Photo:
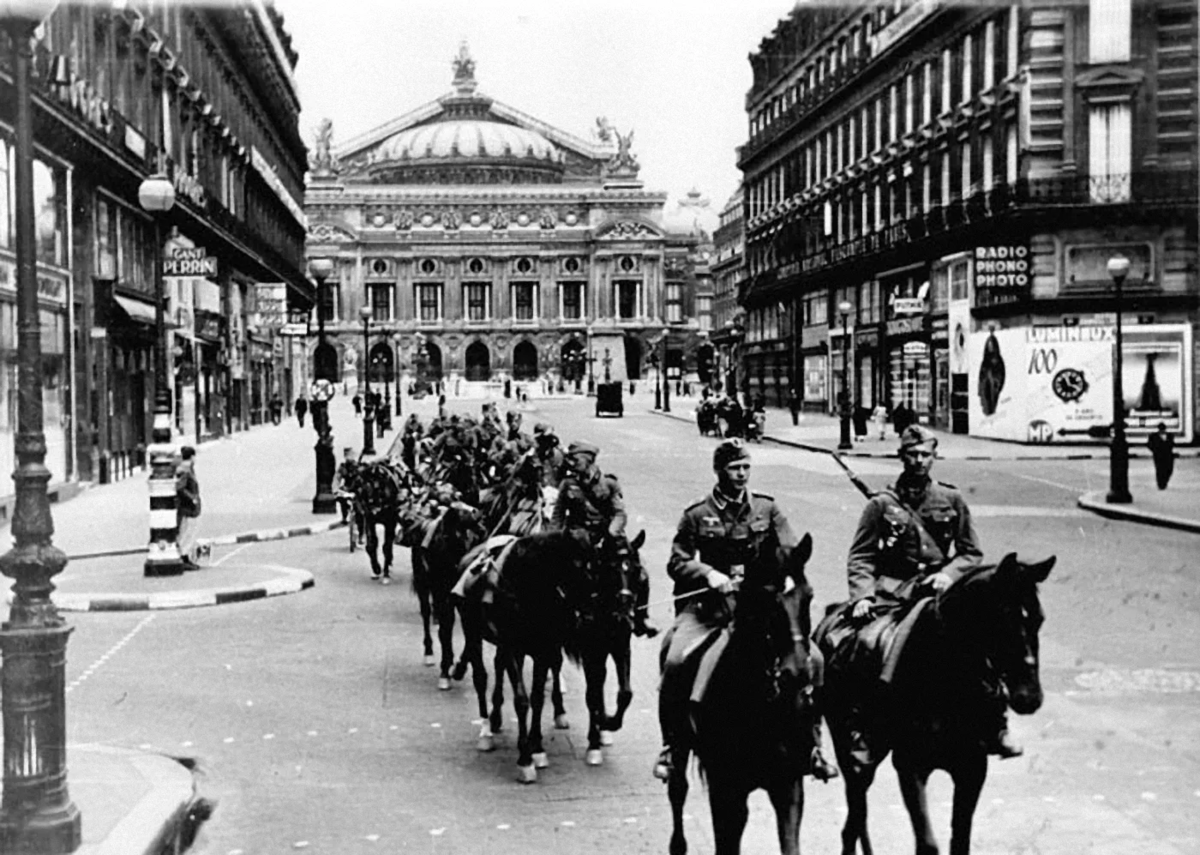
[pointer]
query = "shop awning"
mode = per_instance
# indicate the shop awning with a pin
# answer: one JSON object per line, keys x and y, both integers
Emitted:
{"x": 139, "y": 312}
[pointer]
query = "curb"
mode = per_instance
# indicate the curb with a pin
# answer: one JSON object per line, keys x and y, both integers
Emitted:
{"x": 289, "y": 581}
{"x": 1095, "y": 502}
{"x": 227, "y": 539}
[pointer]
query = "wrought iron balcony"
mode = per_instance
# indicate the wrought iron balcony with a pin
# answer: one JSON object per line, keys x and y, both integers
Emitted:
{"x": 1158, "y": 186}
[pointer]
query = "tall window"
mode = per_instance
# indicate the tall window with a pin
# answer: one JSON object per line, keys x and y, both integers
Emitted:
{"x": 476, "y": 300}
{"x": 6, "y": 181}
{"x": 381, "y": 301}
{"x": 49, "y": 205}
{"x": 967, "y": 68}
{"x": 947, "y": 78}
{"x": 628, "y": 299}
{"x": 524, "y": 299}
{"x": 674, "y": 302}
{"x": 429, "y": 303}
{"x": 989, "y": 55}
{"x": 909, "y": 97}
{"x": 1108, "y": 30}
{"x": 966, "y": 170}
{"x": 704, "y": 311}
{"x": 106, "y": 238}
{"x": 927, "y": 95}
{"x": 571, "y": 303}
{"x": 1110, "y": 138}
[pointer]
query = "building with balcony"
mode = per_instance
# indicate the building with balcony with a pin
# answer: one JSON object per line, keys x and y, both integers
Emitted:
{"x": 205, "y": 95}
{"x": 487, "y": 245}
{"x": 728, "y": 272}
{"x": 959, "y": 175}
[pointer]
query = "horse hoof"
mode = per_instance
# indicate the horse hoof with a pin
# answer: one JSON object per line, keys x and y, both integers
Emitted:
{"x": 527, "y": 774}
{"x": 486, "y": 742}
{"x": 595, "y": 757}
{"x": 606, "y": 737}
{"x": 561, "y": 723}
{"x": 430, "y": 660}
{"x": 443, "y": 684}
{"x": 386, "y": 580}
{"x": 540, "y": 760}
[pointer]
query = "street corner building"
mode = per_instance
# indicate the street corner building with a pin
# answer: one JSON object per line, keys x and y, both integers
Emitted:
{"x": 479, "y": 246}
{"x": 203, "y": 95}
{"x": 933, "y": 192}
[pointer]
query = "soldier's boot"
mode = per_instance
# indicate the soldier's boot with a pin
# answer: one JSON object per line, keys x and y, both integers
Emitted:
{"x": 641, "y": 624}
{"x": 820, "y": 768}
{"x": 994, "y": 716}
{"x": 999, "y": 740}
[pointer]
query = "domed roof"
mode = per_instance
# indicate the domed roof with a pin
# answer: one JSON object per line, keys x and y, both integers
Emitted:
{"x": 467, "y": 138}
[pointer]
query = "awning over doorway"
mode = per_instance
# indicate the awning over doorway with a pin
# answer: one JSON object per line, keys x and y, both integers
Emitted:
{"x": 136, "y": 310}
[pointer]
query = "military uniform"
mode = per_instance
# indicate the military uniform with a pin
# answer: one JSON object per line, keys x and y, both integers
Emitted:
{"x": 890, "y": 549}
{"x": 593, "y": 502}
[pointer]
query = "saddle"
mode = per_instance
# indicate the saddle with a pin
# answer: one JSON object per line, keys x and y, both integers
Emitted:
{"x": 869, "y": 653}
{"x": 483, "y": 562}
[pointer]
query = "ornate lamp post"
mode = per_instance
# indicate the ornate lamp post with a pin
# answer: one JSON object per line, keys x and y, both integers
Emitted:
{"x": 666, "y": 386}
{"x": 321, "y": 390}
{"x": 399, "y": 376}
{"x": 844, "y": 442}
{"x": 657, "y": 380}
{"x": 1118, "y": 461}
{"x": 157, "y": 196}
{"x": 36, "y": 814}
{"x": 368, "y": 421}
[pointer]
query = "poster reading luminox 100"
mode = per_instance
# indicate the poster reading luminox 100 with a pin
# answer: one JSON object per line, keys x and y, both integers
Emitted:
{"x": 1051, "y": 384}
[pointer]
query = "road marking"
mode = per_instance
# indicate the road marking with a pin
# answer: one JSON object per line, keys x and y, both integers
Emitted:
{"x": 1140, "y": 680}
{"x": 91, "y": 669}
{"x": 227, "y": 556}
{"x": 1047, "y": 481}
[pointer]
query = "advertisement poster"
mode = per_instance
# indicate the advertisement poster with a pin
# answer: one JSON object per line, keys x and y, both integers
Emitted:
{"x": 814, "y": 378}
{"x": 1053, "y": 384}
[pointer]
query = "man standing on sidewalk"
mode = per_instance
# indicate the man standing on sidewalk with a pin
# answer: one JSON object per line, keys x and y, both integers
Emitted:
{"x": 1162, "y": 449}
{"x": 187, "y": 496}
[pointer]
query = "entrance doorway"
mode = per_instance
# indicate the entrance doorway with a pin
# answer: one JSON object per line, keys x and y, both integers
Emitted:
{"x": 479, "y": 362}
{"x": 525, "y": 361}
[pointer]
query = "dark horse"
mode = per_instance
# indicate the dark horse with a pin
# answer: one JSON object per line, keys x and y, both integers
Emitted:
{"x": 550, "y": 594}
{"x": 929, "y": 714}
{"x": 752, "y": 729}
{"x": 381, "y": 487}
{"x": 435, "y": 558}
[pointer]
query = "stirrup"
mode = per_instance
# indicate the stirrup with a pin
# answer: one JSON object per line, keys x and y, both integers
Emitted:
{"x": 664, "y": 766}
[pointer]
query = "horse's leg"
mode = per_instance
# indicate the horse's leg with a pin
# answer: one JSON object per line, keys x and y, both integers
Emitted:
{"x": 556, "y": 698}
{"x": 622, "y": 661}
{"x": 857, "y": 780}
{"x": 913, "y": 778}
{"x": 537, "y": 702}
{"x": 787, "y": 797}
{"x": 593, "y": 677}
{"x": 444, "y": 607}
{"x": 389, "y": 539}
{"x": 497, "y": 716}
{"x": 515, "y": 665}
{"x": 421, "y": 582}
{"x": 677, "y": 790}
{"x": 968, "y": 784}
{"x": 727, "y": 804}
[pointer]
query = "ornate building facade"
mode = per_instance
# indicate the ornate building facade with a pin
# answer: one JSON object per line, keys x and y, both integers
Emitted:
{"x": 933, "y": 192}
{"x": 487, "y": 245}
{"x": 204, "y": 95}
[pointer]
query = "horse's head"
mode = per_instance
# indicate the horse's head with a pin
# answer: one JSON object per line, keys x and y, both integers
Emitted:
{"x": 465, "y": 524}
{"x": 1004, "y": 613}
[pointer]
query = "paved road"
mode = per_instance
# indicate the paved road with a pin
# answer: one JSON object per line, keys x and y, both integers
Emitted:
{"x": 317, "y": 728}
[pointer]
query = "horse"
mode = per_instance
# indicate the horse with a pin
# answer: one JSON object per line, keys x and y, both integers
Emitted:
{"x": 544, "y": 597}
{"x": 382, "y": 487}
{"x": 446, "y": 539}
{"x": 924, "y": 714}
{"x": 752, "y": 726}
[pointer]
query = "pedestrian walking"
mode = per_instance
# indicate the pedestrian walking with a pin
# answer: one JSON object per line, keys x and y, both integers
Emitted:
{"x": 793, "y": 402}
{"x": 276, "y": 406}
{"x": 1162, "y": 449}
{"x": 301, "y": 408}
{"x": 357, "y": 402}
{"x": 879, "y": 416}
{"x": 187, "y": 503}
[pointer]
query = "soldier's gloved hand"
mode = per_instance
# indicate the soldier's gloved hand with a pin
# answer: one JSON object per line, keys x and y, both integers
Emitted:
{"x": 939, "y": 582}
{"x": 718, "y": 581}
{"x": 862, "y": 609}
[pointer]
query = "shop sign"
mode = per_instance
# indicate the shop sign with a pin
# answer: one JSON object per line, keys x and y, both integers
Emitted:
{"x": 51, "y": 286}
{"x": 271, "y": 302}
{"x": 189, "y": 261}
{"x": 267, "y": 172}
{"x": 81, "y": 97}
{"x": 908, "y": 306}
{"x": 867, "y": 339}
{"x": 188, "y": 187}
{"x": 905, "y": 326}
{"x": 915, "y": 348}
{"x": 1002, "y": 267}
{"x": 859, "y": 246}
{"x": 902, "y": 24}
{"x": 299, "y": 330}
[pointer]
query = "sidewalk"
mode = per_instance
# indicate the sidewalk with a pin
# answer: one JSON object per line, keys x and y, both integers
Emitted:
{"x": 255, "y": 485}
{"x": 1176, "y": 507}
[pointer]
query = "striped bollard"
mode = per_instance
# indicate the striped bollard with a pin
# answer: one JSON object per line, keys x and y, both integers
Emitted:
{"x": 163, "y": 558}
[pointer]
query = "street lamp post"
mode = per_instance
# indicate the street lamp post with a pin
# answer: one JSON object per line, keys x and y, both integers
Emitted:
{"x": 666, "y": 379}
{"x": 368, "y": 421}
{"x": 657, "y": 381}
{"x": 844, "y": 442}
{"x": 399, "y": 376}
{"x": 36, "y": 814}
{"x": 157, "y": 196}
{"x": 324, "y": 501}
{"x": 1118, "y": 469}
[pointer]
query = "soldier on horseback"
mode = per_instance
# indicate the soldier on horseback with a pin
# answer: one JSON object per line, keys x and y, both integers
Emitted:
{"x": 591, "y": 503}
{"x": 716, "y": 538}
{"x": 917, "y": 534}
{"x": 549, "y": 454}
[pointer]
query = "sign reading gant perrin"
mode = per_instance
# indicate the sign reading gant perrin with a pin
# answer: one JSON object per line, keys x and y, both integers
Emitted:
{"x": 185, "y": 261}
{"x": 1002, "y": 267}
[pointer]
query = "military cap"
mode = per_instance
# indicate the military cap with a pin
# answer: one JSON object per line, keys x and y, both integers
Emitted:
{"x": 582, "y": 448}
{"x": 916, "y": 435}
{"x": 729, "y": 451}
{"x": 541, "y": 428}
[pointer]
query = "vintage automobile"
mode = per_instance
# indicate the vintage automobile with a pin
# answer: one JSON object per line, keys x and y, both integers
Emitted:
{"x": 608, "y": 400}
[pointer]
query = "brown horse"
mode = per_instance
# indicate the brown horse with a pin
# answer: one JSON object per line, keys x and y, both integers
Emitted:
{"x": 752, "y": 729}
{"x": 930, "y": 714}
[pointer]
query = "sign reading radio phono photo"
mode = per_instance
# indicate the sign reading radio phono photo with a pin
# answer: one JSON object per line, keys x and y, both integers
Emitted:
{"x": 1002, "y": 267}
